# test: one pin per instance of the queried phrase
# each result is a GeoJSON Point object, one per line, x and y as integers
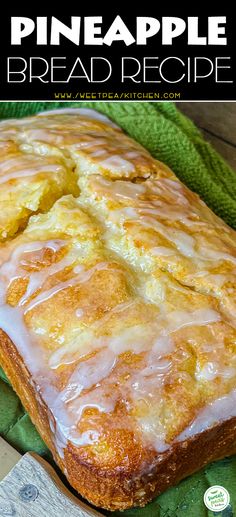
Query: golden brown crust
{"type": "Point", "coordinates": [119, 488]}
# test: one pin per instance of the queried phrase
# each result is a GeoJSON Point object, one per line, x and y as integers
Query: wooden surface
{"type": "Point", "coordinates": [8, 458]}
{"type": "Point", "coordinates": [217, 120]}
{"type": "Point", "coordinates": [33, 489]}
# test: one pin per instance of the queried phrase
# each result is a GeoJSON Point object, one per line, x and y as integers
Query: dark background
{"type": "Point", "coordinates": [205, 89]}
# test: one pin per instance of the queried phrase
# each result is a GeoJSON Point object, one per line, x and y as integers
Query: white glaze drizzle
{"type": "Point", "coordinates": [211, 370]}
{"type": "Point", "coordinates": [25, 173]}
{"type": "Point", "coordinates": [214, 255]}
{"type": "Point", "coordinates": [121, 189]}
{"type": "Point", "coordinates": [90, 144]}
{"type": "Point", "coordinates": [88, 374]}
{"type": "Point", "coordinates": [220, 409]}
{"type": "Point", "coordinates": [81, 277]}
{"type": "Point", "coordinates": [12, 323]}
{"type": "Point", "coordinates": [180, 319]}
{"type": "Point", "coordinates": [84, 112]}
{"type": "Point", "coordinates": [13, 263]}
{"type": "Point", "coordinates": [162, 251]}
{"type": "Point", "coordinates": [117, 164]}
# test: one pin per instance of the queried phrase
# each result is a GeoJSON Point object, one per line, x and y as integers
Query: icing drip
{"type": "Point", "coordinates": [88, 374]}
{"type": "Point", "coordinates": [27, 172]}
{"type": "Point", "coordinates": [117, 164]}
{"type": "Point", "coordinates": [218, 410]}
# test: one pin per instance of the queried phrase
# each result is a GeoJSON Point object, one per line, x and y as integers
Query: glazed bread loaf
{"type": "Point", "coordinates": [117, 307]}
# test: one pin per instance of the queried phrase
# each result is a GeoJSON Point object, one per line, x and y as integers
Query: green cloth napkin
{"type": "Point", "coordinates": [174, 139]}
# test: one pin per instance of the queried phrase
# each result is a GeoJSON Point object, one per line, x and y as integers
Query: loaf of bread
{"type": "Point", "coordinates": [117, 307]}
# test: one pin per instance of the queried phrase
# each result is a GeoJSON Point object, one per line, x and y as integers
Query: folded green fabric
{"type": "Point", "coordinates": [174, 139]}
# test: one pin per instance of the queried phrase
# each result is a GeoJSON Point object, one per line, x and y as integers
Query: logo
{"type": "Point", "coordinates": [216, 498]}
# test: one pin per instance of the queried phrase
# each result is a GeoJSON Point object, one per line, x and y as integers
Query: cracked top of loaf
{"type": "Point", "coordinates": [117, 287]}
